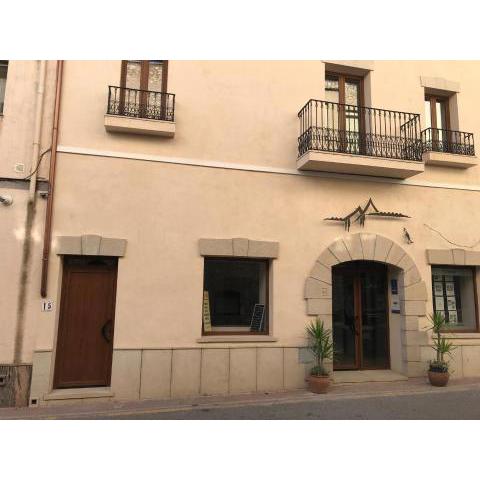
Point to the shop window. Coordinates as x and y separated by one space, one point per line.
3 82
454 296
235 296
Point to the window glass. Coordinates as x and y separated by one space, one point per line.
3 82
454 296
134 70
331 89
235 291
428 114
155 75
440 114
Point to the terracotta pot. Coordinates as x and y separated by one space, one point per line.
318 384
438 379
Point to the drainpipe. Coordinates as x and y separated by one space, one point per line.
30 216
37 129
47 237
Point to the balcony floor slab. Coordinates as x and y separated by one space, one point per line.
359 164
139 126
443 159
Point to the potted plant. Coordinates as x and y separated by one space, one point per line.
321 345
438 374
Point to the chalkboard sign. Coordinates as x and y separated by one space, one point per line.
257 317
207 323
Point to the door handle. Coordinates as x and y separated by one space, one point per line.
107 331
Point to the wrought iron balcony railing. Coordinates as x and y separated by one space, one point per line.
130 102
374 132
448 141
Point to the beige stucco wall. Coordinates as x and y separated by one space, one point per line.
16 147
240 117
246 111
215 203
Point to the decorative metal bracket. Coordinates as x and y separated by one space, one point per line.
359 215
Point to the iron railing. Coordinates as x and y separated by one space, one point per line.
448 141
337 127
131 102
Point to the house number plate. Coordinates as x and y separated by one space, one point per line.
47 305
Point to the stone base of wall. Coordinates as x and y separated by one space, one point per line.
175 373
150 374
15 385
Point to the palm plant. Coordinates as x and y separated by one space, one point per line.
320 344
441 345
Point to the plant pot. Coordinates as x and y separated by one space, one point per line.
438 379
318 383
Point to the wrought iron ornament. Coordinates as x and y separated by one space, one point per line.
359 215
132 102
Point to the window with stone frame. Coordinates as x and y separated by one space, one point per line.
454 291
235 296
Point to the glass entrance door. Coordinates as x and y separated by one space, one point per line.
360 316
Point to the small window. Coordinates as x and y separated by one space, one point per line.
3 82
235 296
437 112
454 296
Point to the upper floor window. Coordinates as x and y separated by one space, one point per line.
341 88
437 112
3 82
145 75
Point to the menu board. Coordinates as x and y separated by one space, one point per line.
439 303
207 321
257 317
451 303
438 288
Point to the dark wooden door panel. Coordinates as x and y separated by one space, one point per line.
85 333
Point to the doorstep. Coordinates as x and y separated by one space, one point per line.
79 393
360 376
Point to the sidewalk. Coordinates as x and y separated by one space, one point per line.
417 386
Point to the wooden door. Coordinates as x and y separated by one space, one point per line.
85 330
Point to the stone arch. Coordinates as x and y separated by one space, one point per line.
413 291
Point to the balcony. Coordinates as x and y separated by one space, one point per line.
359 140
142 112
449 148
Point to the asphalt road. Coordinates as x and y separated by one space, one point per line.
441 404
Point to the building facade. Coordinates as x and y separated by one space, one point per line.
26 110
200 213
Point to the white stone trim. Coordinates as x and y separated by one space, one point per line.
453 256
91 245
194 162
439 83
237 247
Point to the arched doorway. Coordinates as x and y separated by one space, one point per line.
389 264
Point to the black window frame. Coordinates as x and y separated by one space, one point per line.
475 297
266 330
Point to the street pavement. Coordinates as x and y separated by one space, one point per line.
426 406
412 399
